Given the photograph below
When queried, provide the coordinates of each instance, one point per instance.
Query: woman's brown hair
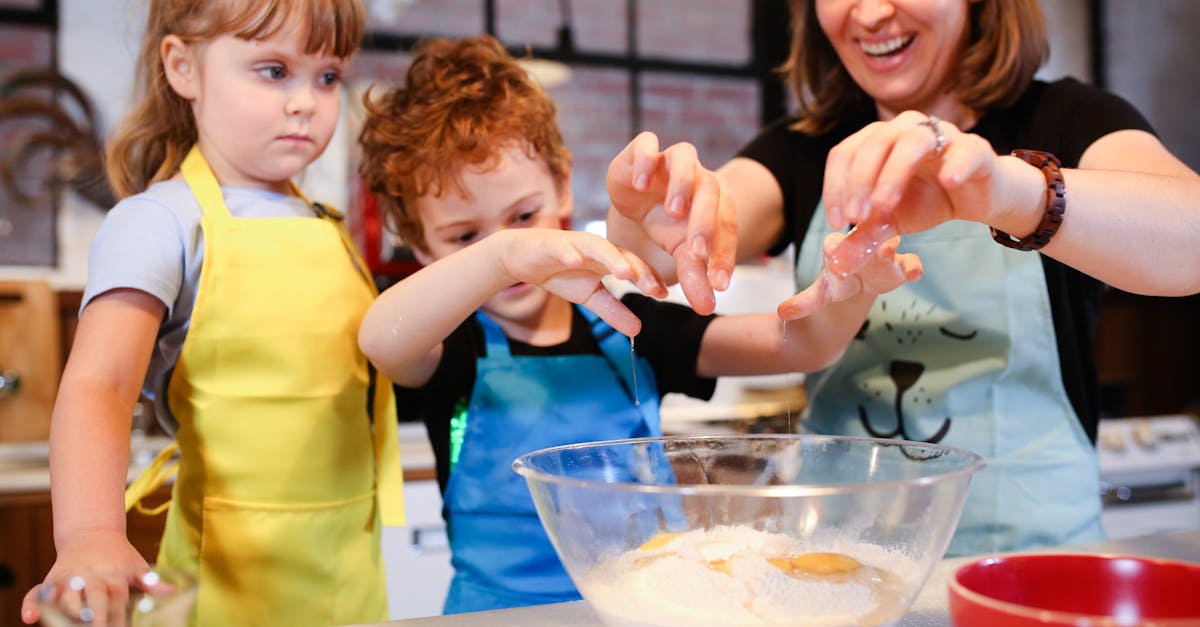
(1005, 44)
(463, 103)
(155, 135)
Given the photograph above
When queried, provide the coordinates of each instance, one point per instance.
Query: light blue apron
(967, 357)
(500, 553)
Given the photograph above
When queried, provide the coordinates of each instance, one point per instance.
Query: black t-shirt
(669, 341)
(1063, 118)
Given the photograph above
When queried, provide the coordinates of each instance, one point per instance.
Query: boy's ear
(565, 201)
(179, 65)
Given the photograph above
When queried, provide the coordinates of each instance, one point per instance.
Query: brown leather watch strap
(1056, 203)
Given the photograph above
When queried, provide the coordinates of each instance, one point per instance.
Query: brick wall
(717, 114)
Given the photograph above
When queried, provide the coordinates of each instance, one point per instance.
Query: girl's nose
(871, 13)
(301, 101)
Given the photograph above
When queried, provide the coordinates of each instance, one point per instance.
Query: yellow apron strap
(203, 183)
(150, 479)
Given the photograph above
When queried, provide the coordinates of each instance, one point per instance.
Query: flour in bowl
(735, 575)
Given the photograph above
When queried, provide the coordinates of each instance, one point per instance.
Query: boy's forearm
(412, 318)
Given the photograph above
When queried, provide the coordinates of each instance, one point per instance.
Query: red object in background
(372, 239)
(1075, 590)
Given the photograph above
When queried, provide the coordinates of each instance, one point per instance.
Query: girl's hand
(92, 574)
(682, 208)
(891, 178)
(883, 270)
(572, 264)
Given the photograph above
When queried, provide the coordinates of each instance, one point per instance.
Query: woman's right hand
(93, 570)
(667, 200)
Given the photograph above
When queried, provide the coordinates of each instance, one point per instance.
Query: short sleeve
(140, 245)
(670, 341)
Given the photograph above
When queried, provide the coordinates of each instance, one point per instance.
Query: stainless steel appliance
(1150, 474)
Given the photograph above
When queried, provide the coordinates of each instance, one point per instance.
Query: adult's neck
(949, 109)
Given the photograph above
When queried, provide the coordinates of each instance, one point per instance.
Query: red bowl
(1075, 590)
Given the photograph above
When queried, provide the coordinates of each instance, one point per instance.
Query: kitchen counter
(929, 610)
(24, 467)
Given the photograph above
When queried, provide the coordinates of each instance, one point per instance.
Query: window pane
(453, 18)
(707, 31)
(27, 231)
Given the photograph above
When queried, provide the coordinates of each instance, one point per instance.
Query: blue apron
(501, 555)
(967, 357)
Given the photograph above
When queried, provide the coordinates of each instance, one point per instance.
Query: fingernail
(699, 247)
(675, 206)
(641, 182)
(721, 280)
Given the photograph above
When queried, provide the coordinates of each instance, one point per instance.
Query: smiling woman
(920, 117)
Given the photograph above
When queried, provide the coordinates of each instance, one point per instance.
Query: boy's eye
(464, 238)
(524, 217)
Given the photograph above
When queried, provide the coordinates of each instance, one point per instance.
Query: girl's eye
(273, 72)
(331, 78)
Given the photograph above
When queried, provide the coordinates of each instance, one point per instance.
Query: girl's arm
(89, 445)
(403, 330)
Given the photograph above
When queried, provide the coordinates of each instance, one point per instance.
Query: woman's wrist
(1025, 198)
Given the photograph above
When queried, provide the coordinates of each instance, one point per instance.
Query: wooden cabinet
(27, 544)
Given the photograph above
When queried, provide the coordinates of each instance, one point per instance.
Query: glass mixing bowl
(749, 529)
(161, 597)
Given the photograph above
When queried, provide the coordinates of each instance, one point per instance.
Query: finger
(807, 302)
(860, 245)
(701, 221)
(612, 311)
(645, 159)
(723, 246)
(912, 266)
(911, 148)
(863, 171)
(838, 164)
(682, 165)
(646, 279)
(30, 611)
(600, 255)
(693, 280)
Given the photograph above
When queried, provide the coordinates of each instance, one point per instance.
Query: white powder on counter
(732, 576)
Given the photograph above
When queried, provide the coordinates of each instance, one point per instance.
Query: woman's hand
(913, 173)
(91, 575)
(572, 264)
(667, 200)
(882, 270)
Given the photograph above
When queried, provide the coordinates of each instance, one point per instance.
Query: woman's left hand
(910, 174)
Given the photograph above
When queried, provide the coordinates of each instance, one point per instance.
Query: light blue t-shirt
(152, 242)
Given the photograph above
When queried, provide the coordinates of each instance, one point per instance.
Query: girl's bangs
(334, 27)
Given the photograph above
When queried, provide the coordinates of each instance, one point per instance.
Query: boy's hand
(571, 264)
(93, 571)
(883, 271)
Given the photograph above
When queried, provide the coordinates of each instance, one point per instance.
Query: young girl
(234, 303)
(484, 340)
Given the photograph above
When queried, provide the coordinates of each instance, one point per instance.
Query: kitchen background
(694, 70)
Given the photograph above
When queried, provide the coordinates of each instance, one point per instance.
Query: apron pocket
(315, 563)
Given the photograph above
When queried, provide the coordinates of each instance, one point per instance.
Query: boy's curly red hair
(463, 103)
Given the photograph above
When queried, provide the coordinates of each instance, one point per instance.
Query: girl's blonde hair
(1005, 44)
(155, 135)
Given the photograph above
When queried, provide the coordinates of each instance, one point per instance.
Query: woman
(908, 113)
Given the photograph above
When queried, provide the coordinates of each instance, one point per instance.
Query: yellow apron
(274, 504)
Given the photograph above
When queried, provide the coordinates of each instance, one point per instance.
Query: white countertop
(929, 610)
(24, 466)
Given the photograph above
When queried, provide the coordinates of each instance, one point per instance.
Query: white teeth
(884, 47)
